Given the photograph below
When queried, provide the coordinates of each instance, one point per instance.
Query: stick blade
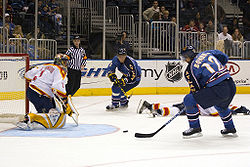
(141, 135)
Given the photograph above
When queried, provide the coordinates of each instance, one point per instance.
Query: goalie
(46, 88)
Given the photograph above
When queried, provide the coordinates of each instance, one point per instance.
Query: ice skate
(124, 106)
(192, 133)
(144, 105)
(229, 132)
(111, 107)
(243, 110)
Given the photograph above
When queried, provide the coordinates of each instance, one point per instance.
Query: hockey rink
(113, 148)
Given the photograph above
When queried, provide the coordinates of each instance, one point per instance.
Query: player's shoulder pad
(61, 70)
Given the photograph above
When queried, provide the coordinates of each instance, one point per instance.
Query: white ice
(165, 149)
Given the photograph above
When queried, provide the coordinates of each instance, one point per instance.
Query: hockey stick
(141, 135)
(123, 91)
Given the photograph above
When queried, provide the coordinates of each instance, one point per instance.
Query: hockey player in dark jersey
(131, 78)
(210, 85)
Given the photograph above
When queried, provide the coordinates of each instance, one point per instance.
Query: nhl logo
(173, 71)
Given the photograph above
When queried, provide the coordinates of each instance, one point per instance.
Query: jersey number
(212, 59)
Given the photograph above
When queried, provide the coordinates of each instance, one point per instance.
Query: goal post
(13, 101)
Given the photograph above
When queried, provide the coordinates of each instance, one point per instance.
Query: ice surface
(165, 149)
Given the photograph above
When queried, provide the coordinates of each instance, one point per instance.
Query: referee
(78, 60)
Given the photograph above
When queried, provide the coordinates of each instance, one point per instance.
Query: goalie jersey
(44, 79)
(206, 70)
(130, 69)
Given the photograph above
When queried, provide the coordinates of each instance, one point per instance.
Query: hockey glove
(120, 82)
(112, 77)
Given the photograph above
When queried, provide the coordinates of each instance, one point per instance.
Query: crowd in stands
(19, 18)
(194, 16)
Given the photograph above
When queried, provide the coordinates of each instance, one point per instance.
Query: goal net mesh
(12, 86)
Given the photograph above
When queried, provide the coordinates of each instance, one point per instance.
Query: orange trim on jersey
(62, 94)
(166, 111)
(156, 106)
(33, 87)
(85, 57)
(233, 107)
(28, 79)
(214, 114)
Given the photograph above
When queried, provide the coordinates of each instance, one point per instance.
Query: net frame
(27, 64)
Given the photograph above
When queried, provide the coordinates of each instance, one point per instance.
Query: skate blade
(232, 135)
(138, 108)
(193, 136)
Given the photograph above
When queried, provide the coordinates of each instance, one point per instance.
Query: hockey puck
(125, 131)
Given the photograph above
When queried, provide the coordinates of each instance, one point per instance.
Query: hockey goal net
(13, 101)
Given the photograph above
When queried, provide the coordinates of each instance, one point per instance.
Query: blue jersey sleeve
(113, 65)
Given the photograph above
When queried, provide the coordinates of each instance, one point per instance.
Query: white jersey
(46, 78)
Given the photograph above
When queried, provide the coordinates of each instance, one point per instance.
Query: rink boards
(158, 77)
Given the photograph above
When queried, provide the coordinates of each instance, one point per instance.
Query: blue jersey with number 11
(207, 69)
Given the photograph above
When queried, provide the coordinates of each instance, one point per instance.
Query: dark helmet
(188, 51)
(122, 51)
(61, 60)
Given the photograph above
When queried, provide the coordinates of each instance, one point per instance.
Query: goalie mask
(61, 60)
(188, 52)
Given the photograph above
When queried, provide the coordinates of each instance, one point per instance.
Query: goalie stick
(75, 114)
(141, 135)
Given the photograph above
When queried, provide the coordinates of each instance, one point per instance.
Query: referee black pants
(74, 81)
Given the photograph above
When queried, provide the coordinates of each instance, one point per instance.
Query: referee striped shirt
(78, 58)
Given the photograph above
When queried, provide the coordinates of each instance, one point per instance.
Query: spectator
(197, 19)
(46, 20)
(201, 27)
(18, 33)
(191, 9)
(209, 13)
(210, 34)
(237, 36)
(162, 9)
(224, 34)
(57, 18)
(173, 19)
(40, 35)
(246, 21)
(9, 25)
(31, 7)
(165, 16)
(149, 13)
(122, 43)
(233, 25)
(190, 27)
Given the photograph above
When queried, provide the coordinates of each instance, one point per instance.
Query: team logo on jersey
(173, 71)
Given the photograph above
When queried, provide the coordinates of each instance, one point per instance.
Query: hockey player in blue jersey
(210, 85)
(131, 78)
